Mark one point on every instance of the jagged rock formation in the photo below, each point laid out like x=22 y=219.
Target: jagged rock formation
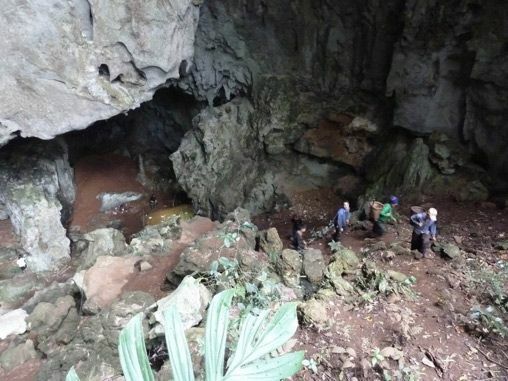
x=449 y=73
x=37 y=189
x=67 y=65
x=423 y=66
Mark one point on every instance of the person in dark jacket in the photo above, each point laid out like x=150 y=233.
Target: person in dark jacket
x=153 y=201
x=425 y=229
x=341 y=220
x=297 y=236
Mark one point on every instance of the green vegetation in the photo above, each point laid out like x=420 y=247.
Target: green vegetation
x=250 y=359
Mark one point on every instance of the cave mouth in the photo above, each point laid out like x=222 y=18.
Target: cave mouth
x=123 y=176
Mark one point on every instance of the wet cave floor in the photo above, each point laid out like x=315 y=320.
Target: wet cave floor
x=111 y=173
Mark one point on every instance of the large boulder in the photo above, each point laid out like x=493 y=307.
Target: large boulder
x=289 y=266
x=93 y=350
x=270 y=242
x=13 y=323
x=50 y=294
x=99 y=243
x=103 y=282
x=12 y=357
x=14 y=291
x=233 y=239
x=314 y=312
x=89 y=60
x=191 y=299
x=156 y=239
x=343 y=261
x=36 y=187
x=218 y=163
x=313 y=265
x=47 y=318
x=111 y=201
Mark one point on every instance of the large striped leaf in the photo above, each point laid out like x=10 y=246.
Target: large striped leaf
x=216 y=334
x=72 y=375
x=256 y=341
x=179 y=354
x=132 y=350
x=272 y=369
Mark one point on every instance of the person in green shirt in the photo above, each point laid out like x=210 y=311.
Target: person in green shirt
x=385 y=216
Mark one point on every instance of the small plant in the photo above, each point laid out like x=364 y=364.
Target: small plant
x=229 y=239
x=376 y=357
x=335 y=246
x=250 y=360
x=310 y=364
x=491 y=283
x=373 y=282
x=225 y=272
x=487 y=321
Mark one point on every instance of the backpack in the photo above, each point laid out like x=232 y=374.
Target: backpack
x=414 y=210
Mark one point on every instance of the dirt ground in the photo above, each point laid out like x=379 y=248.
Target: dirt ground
x=424 y=328
x=110 y=173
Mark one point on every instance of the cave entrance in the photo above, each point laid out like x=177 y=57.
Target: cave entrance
x=122 y=171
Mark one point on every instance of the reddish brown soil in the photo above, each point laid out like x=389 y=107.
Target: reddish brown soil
x=7 y=236
x=153 y=281
x=109 y=173
x=434 y=312
x=25 y=372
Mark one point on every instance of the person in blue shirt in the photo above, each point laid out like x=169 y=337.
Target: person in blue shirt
x=341 y=220
x=425 y=230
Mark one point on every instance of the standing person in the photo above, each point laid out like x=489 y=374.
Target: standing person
x=425 y=229
x=297 y=236
x=153 y=201
x=385 y=216
x=341 y=220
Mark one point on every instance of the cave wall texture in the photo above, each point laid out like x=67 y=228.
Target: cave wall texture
x=416 y=65
x=67 y=64
x=279 y=78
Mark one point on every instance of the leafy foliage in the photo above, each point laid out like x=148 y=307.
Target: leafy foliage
x=373 y=282
x=72 y=375
x=491 y=283
x=250 y=360
x=335 y=246
x=132 y=351
x=254 y=290
x=376 y=357
x=487 y=321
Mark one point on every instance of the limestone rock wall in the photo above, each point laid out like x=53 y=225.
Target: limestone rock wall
x=309 y=68
x=450 y=74
x=68 y=64
x=37 y=189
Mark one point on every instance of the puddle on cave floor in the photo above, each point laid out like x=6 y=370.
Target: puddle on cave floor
x=112 y=173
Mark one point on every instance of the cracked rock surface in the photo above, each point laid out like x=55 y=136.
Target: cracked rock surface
x=68 y=64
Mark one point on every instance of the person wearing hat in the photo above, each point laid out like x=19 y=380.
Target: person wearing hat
x=385 y=216
x=425 y=229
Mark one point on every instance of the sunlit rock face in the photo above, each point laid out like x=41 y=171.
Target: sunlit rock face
x=68 y=64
